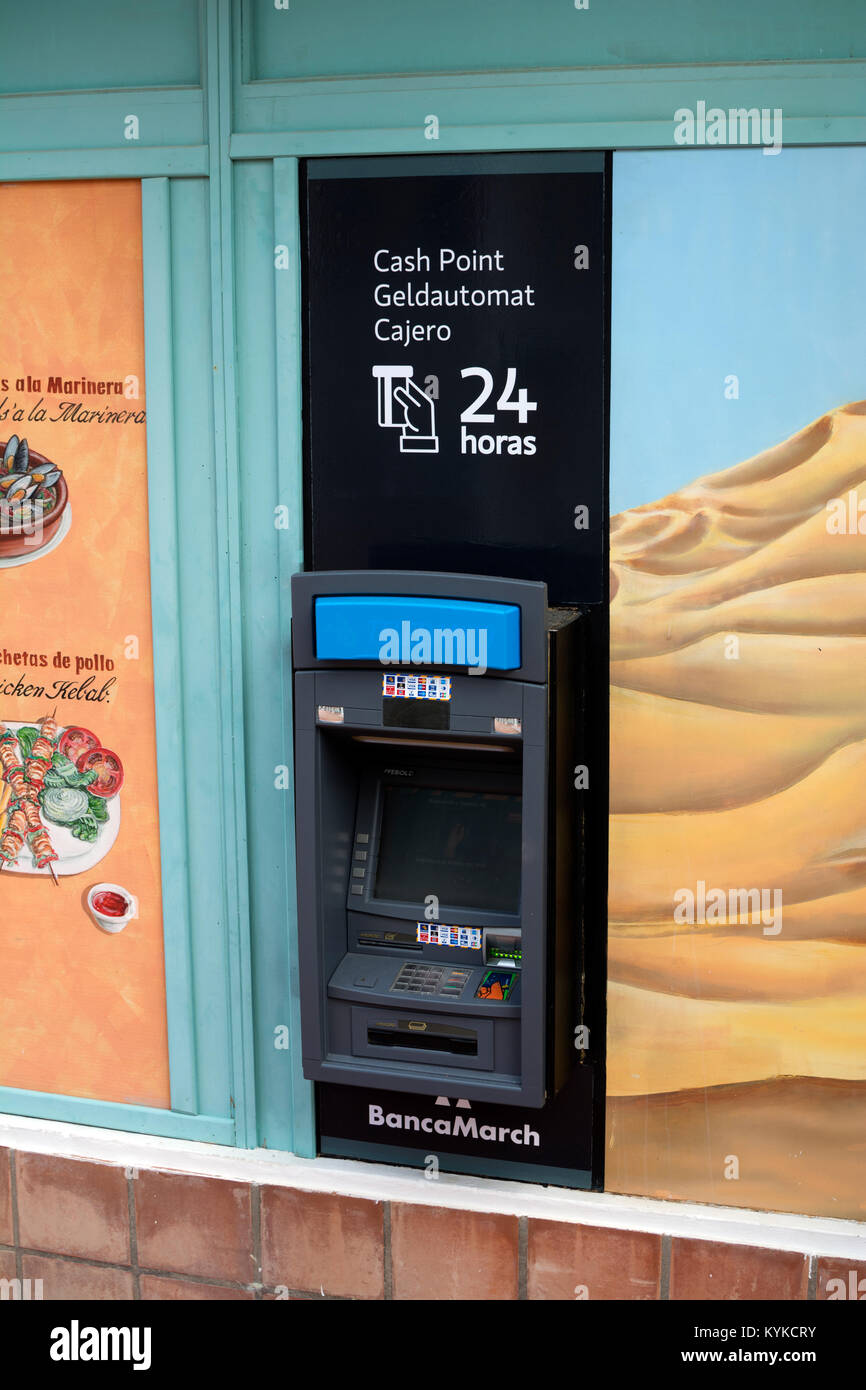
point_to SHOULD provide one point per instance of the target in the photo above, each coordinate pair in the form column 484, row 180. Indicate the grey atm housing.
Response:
column 358, row 1029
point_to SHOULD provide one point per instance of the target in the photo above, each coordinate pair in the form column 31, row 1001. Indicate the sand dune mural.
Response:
column 737, row 980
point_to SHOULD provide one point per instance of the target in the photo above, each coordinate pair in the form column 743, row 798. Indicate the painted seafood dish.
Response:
column 34, row 503
column 59, row 799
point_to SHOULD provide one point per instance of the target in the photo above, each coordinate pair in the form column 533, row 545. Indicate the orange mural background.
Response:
column 736, row 1068
column 82, row 1012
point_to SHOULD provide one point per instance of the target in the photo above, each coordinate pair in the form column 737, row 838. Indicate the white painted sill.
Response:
column 380, row 1182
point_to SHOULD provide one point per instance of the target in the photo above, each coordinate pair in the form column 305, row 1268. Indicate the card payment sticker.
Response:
column 408, row 687
column 438, row 934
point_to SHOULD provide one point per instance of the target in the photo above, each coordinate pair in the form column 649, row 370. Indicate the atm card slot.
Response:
column 401, row 940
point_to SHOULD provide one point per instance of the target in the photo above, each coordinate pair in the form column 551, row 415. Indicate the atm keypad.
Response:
column 419, row 977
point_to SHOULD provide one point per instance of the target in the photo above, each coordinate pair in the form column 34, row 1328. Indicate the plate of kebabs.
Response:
column 59, row 802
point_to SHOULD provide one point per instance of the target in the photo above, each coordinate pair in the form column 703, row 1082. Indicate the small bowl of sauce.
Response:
column 111, row 907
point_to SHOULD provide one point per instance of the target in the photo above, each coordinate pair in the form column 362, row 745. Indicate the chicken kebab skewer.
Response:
column 12, row 772
column 35, row 768
column 27, row 782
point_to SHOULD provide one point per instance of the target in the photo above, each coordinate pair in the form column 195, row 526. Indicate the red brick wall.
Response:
column 98, row 1231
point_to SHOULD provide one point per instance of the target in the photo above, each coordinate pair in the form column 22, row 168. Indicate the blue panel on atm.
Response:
column 460, row 632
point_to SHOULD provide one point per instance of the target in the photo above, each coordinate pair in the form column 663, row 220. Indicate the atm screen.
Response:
column 464, row 846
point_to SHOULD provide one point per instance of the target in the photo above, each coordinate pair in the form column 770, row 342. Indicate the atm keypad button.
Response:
column 357, row 887
column 358, row 873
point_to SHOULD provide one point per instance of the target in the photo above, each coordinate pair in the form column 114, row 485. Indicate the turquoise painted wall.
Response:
column 85, row 45
column 329, row 38
column 228, row 97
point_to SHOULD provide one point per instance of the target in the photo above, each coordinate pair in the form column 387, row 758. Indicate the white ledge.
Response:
column 380, row 1182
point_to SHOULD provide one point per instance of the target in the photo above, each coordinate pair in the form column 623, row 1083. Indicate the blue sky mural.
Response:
column 730, row 261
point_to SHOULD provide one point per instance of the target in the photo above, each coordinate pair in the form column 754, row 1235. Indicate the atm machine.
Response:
column 438, row 727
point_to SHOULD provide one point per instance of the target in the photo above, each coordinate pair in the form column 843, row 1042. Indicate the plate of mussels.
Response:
column 34, row 503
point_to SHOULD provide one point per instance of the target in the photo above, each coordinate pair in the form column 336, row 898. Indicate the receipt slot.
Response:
column 439, row 845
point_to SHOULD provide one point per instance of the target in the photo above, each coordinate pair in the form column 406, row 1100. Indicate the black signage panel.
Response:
column 457, row 326
column 554, row 1144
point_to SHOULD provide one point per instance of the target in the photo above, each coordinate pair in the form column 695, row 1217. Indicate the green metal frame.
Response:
column 219, row 171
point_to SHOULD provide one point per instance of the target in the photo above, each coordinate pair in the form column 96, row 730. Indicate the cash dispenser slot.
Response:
column 434, row 1040
column 424, row 1037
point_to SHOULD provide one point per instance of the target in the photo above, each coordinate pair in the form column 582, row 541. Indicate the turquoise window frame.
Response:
column 219, row 166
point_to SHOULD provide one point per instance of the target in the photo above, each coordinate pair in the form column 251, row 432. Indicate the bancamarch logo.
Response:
column 461, row 1126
